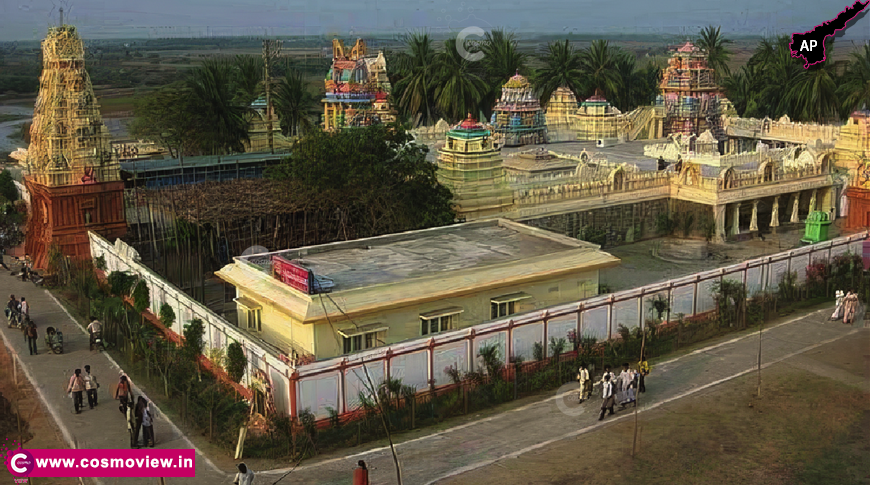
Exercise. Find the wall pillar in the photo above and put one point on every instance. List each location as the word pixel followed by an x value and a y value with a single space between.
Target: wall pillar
pixel 795 203
pixel 813 201
pixel 828 201
pixel 774 215
pixel 719 217
pixel 735 222
pixel 753 223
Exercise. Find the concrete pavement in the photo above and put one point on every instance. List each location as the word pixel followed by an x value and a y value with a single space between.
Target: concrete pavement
pixel 104 426
pixel 431 458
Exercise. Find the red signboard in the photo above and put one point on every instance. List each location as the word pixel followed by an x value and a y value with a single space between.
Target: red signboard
pixel 292 274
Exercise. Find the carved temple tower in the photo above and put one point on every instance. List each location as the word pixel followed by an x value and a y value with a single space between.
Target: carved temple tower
pixel 517 117
pixel 73 175
pixel 470 165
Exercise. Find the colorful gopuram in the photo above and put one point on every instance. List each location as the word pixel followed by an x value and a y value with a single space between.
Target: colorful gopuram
pixel 470 165
pixel 357 89
pixel 517 118
pixel 597 119
pixel 691 101
pixel 73 174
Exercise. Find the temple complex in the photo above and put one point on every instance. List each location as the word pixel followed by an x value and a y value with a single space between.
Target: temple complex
pixel 517 118
pixel 690 101
pixel 853 154
pixel 561 115
pixel 357 88
pixel 470 165
pixel 73 174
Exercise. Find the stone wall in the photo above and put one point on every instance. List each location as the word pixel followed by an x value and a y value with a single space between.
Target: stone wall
pixel 608 226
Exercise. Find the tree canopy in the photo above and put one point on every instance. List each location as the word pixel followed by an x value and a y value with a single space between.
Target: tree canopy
pixel 377 176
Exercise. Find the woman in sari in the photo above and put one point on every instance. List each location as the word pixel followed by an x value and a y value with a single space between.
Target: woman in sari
pixel 850 306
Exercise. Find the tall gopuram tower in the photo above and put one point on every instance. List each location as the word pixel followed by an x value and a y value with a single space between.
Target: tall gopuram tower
pixel 470 165
pixel 517 116
pixel 691 101
pixel 73 176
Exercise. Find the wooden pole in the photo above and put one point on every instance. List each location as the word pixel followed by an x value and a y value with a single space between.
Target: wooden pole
pixel 637 396
pixel 240 448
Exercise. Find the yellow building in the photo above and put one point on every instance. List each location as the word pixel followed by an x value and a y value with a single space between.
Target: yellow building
pixel 349 296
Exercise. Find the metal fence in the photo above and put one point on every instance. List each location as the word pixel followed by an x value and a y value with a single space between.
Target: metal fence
pixel 423 363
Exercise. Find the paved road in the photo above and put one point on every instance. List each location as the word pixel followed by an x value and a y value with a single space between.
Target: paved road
pixel 103 427
pixel 467 447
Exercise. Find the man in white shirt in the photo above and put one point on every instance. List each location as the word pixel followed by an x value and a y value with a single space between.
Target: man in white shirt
pixel 91 386
pixel 608 395
pixel 245 475
pixel 585 385
pixel 25 309
pixel 94 328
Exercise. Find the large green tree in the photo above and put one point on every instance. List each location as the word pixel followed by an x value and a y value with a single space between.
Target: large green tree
pixel 714 44
pixel 166 116
pixel 293 104
pixel 8 191
pixel 600 70
pixel 501 60
pixel 415 74
pixel 459 89
pixel 222 118
pixel 376 175
pixel 855 87
pixel 562 68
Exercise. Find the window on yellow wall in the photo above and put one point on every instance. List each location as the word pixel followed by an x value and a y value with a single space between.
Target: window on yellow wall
pixel 438 324
pixel 506 305
pixel 363 341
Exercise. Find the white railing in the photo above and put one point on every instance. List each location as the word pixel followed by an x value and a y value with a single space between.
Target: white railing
pixel 422 363
pixel 218 332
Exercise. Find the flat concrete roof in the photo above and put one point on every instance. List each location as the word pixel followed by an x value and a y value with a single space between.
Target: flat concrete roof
pixel 417 267
pixel 394 258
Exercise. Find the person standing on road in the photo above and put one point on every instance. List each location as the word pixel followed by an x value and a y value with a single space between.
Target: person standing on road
pixel 76 387
pixel 851 306
pixel 624 381
pixel 642 371
pixel 124 394
pixel 30 335
pixel 91 386
pixel 608 395
pixel 133 425
pixel 361 474
pixel 245 475
pixel 25 310
pixel 838 309
pixel 12 309
pixel 147 423
pixel 94 328
pixel 583 379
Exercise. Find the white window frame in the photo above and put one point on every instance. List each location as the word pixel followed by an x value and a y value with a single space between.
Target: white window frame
pixel 444 320
pixel 250 314
pixel 363 338
pixel 505 305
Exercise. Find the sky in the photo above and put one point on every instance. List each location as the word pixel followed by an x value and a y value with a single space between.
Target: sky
pixel 101 19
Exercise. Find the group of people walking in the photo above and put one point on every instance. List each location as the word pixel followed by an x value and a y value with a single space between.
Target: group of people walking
pixel 80 383
pixel 18 315
pixel 622 388
pixel 847 306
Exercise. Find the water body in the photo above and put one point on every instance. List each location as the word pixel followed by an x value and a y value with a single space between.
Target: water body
pixel 8 127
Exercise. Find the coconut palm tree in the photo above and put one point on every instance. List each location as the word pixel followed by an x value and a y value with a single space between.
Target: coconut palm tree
pixel 416 72
pixel 562 68
pixel 714 44
pixel 293 103
pixel 855 88
pixel 599 66
pixel 459 90
pixel 812 95
pixel 248 74
pixel 221 120
pixel 501 60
